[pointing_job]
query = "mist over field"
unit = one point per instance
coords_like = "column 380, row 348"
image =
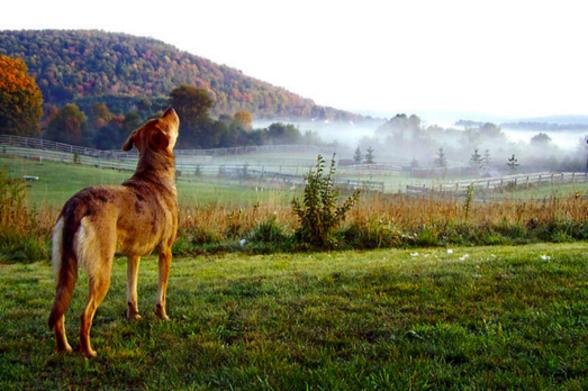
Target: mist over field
column 419, row 142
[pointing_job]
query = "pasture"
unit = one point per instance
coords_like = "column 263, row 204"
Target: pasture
column 59, row 181
column 478, row 318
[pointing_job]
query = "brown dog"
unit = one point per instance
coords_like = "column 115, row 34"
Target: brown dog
column 131, row 219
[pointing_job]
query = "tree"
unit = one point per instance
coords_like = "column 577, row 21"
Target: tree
column 279, row 133
column 476, row 160
column 486, row 159
column 67, row 126
column 441, row 160
column 512, row 163
column 192, row 104
column 244, row 118
column 369, row 156
column 99, row 116
column 357, row 156
column 540, row 139
column 21, row 102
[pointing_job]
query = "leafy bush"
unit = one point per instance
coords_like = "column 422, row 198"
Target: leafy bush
column 317, row 212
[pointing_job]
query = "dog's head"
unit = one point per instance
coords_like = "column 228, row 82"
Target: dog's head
column 158, row 134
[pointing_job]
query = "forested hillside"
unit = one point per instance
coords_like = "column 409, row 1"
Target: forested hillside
column 125, row 71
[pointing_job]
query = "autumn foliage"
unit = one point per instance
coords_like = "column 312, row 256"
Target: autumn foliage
column 21, row 102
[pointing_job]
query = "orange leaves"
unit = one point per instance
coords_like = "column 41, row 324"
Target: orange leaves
column 20, row 98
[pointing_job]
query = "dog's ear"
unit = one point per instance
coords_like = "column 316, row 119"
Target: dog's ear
column 130, row 140
column 158, row 139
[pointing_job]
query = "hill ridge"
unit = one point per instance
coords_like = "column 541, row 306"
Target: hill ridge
column 72, row 65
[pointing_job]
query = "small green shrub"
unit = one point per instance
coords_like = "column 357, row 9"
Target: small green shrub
column 427, row 236
column 76, row 158
column 16, row 247
column 318, row 212
column 373, row 233
column 268, row 231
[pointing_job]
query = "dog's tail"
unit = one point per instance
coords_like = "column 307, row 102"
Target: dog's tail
column 65, row 260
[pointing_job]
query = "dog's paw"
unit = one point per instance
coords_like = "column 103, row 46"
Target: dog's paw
column 87, row 352
column 160, row 312
column 64, row 349
column 133, row 315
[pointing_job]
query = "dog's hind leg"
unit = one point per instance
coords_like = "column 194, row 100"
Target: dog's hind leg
column 96, row 253
column 132, row 298
column 60, row 339
column 165, row 256
column 98, row 287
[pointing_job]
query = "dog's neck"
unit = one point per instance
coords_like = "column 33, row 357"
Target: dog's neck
column 158, row 168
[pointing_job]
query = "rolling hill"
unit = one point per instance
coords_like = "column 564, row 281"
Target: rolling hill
column 90, row 66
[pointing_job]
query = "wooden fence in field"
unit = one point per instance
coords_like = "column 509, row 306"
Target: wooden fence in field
column 460, row 188
column 48, row 145
column 278, row 174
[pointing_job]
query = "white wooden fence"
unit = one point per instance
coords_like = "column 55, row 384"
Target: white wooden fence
column 285, row 174
column 499, row 183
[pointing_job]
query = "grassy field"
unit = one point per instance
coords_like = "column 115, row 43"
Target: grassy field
column 478, row 318
column 59, row 181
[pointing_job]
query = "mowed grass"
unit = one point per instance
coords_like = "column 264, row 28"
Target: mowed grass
column 59, row 181
column 479, row 318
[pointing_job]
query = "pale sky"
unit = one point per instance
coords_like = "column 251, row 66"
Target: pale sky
column 505, row 58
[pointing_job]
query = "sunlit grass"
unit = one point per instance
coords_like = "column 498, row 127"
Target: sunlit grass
column 478, row 318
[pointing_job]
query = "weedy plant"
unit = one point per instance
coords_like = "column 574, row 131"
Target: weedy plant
column 20, row 237
column 318, row 212
column 467, row 206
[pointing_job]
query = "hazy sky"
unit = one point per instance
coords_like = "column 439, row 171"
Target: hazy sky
column 511, row 58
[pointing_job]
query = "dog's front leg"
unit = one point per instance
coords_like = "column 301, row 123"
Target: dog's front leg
column 165, row 257
column 132, row 298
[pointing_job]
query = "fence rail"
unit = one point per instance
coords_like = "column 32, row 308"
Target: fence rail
column 499, row 183
column 39, row 143
column 284, row 174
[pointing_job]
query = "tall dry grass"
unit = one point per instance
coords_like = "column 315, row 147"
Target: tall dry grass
column 376, row 221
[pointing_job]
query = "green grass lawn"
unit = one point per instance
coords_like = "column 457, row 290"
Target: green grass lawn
column 480, row 318
column 59, row 181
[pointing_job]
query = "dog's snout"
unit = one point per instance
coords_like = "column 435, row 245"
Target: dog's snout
column 170, row 111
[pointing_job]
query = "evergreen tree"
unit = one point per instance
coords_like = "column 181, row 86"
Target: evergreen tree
column 512, row 163
column 369, row 156
column 486, row 159
column 441, row 160
column 476, row 160
column 357, row 156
